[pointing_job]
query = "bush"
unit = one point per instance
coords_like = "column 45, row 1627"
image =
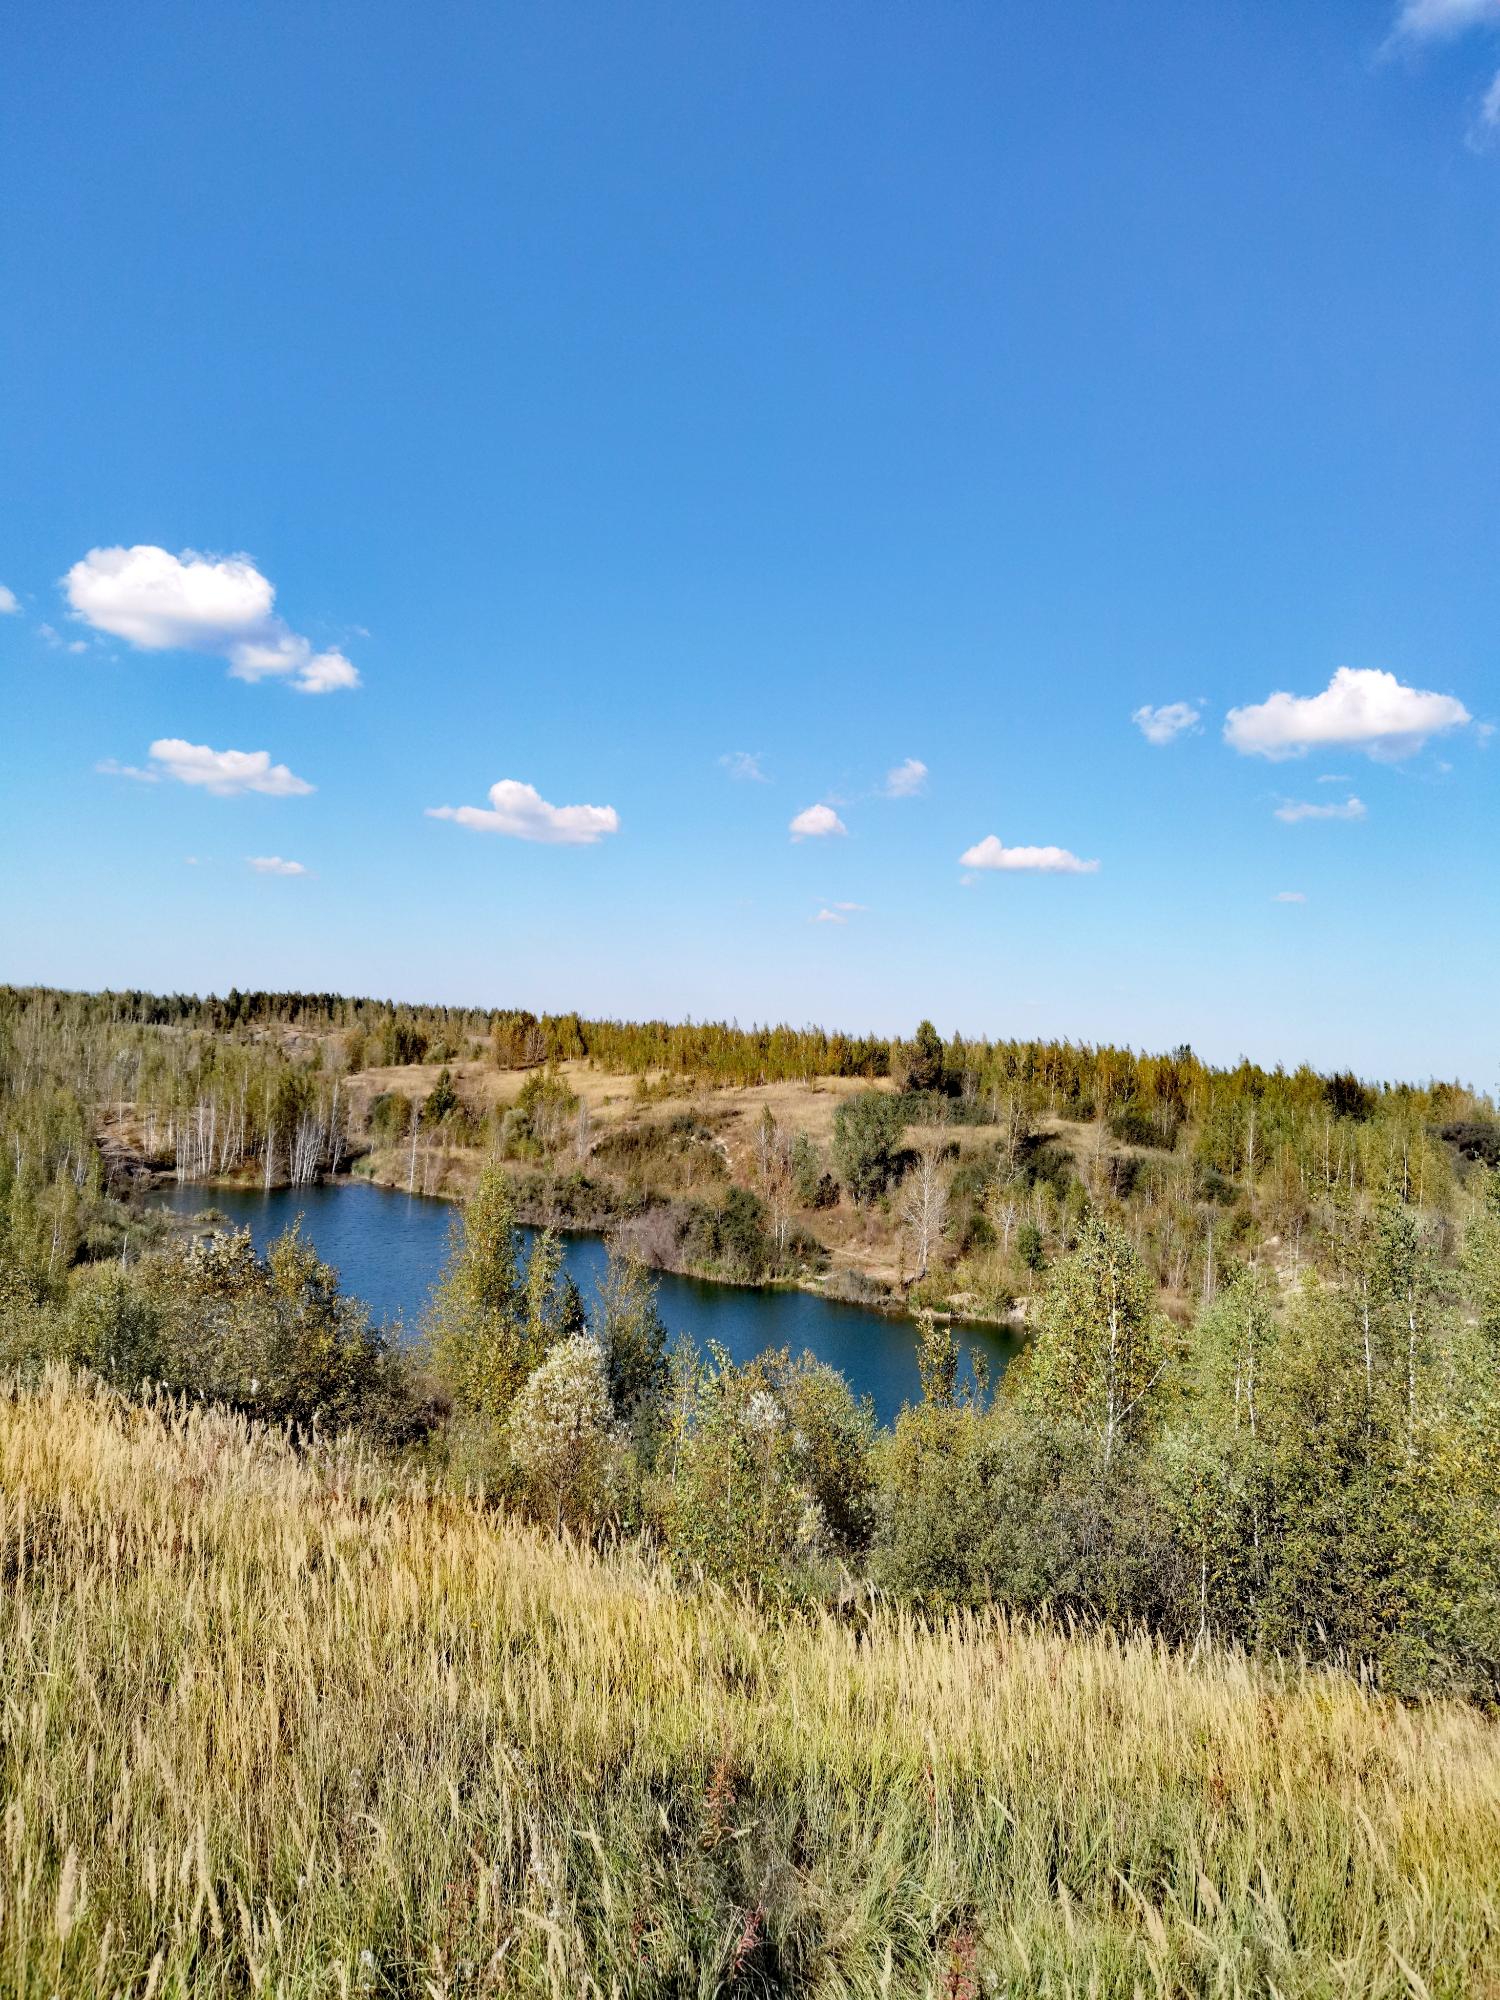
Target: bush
column 731, row 1240
column 867, row 1133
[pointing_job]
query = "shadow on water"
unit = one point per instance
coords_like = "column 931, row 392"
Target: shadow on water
column 388, row 1249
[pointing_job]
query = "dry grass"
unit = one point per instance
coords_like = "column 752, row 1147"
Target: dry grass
column 612, row 1098
column 276, row 1726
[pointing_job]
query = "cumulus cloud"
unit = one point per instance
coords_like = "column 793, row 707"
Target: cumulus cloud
column 272, row 864
column 830, row 917
column 1362, row 708
column 1162, row 725
column 521, row 812
column 158, row 602
column 744, row 765
column 991, row 852
column 1290, row 811
column 9, row 602
column 326, row 672
column 1289, row 896
column 907, row 780
column 816, row 823
column 225, row 773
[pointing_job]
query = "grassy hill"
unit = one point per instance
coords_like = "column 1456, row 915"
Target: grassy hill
column 282, row 1723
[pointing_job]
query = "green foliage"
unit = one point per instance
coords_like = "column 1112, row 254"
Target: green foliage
column 390, row 1117
column 731, row 1240
column 1482, row 1265
column 477, row 1325
column 1102, row 1350
column 561, row 1431
column 812, row 1184
column 766, row 1470
column 442, row 1099
column 867, row 1133
column 541, row 1117
column 633, row 1337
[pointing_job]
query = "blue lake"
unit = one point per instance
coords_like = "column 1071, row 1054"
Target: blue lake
column 389, row 1248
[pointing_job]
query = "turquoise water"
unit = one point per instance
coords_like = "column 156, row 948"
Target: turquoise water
column 388, row 1248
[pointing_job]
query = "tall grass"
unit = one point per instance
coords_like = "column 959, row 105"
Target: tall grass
column 275, row 1724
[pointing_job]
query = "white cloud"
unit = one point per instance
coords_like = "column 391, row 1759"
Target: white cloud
column 521, row 812
column 907, row 780
column 830, row 917
column 745, row 765
column 58, row 643
column 326, row 672
column 992, row 853
column 852, row 907
column 1489, row 109
column 1162, row 725
column 192, row 603
column 109, row 768
column 272, row 864
column 1438, row 20
column 816, row 823
column 1362, row 708
column 1289, row 896
column 9, row 602
column 225, row 773
column 1290, row 811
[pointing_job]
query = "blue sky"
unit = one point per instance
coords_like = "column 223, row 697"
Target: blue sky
column 614, row 392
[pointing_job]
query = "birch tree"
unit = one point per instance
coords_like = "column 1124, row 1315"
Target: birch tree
column 1101, row 1351
column 924, row 1202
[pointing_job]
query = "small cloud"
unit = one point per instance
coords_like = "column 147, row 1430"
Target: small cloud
column 1289, row 896
column 225, row 773
column 58, row 643
column 816, row 823
column 108, row 768
column 158, row 602
column 326, row 672
column 907, row 780
column 9, row 602
column 1291, row 811
column 992, row 853
column 272, row 864
column 521, row 813
column 1333, row 778
column 830, row 917
column 744, row 765
column 1362, row 708
column 1440, row 20
column 1166, row 724
column 190, row 861
column 852, row 908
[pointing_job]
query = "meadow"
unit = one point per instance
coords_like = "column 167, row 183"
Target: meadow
column 298, row 1722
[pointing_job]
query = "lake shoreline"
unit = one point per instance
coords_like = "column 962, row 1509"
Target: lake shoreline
column 152, row 1180
column 389, row 1249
